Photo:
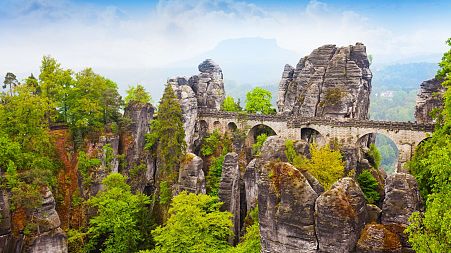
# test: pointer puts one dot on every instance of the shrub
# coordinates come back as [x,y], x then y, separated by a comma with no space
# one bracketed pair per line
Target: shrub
[369,186]
[256,148]
[375,156]
[214,175]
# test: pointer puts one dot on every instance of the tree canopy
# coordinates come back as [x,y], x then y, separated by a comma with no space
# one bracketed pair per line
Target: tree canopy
[195,224]
[116,226]
[229,105]
[258,100]
[137,93]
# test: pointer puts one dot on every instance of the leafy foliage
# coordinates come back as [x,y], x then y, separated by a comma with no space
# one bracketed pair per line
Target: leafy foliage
[431,167]
[214,175]
[229,105]
[211,143]
[369,186]
[431,232]
[290,152]
[325,164]
[250,242]
[137,93]
[116,227]
[195,225]
[167,135]
[259,101]
[257,146]
[85,165]
[375,156]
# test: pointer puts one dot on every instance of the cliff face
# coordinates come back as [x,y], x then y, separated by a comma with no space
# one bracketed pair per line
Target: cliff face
[331,82]
[204,90]
[430,97]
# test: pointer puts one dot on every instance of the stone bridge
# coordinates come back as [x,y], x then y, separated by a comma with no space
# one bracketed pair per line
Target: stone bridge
[349,132]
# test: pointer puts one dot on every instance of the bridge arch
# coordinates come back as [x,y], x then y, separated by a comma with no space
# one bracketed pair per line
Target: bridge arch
[387,147]
[257,130]
[232,127]
[217,126]
[312,135]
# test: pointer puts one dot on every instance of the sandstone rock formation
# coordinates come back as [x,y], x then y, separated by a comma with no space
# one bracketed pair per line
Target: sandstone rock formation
[376,238]
[204,90]
[430,97]
[402,198]
[330,82]
[286,209]
[229,191]
[50,237]
[250,185]
[132,146]
[340,215]
[189,105]
[191,175]
[208,85]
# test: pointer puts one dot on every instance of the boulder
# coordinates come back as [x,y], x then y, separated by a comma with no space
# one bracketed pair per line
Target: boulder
[376,238]
[191,175]
[332,82]
[340,215]
[229,191]
[402,198]
[286,203]
[429,97]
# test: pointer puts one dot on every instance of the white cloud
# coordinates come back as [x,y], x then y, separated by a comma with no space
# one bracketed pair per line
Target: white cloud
[108,37]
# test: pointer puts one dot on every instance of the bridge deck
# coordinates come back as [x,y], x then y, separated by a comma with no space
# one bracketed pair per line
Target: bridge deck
[296,121]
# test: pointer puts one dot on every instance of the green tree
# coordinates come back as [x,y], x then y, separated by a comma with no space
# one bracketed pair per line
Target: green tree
[257,146]
[11,80]
[259,101]
[369,186]
[325,164]
[375,156]
[116,227]
[431,166]
[92,103]
[229,105]
[55,84]
[195,225]
[137,93]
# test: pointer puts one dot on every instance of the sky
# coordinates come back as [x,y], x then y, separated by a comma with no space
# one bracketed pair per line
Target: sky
[122,37]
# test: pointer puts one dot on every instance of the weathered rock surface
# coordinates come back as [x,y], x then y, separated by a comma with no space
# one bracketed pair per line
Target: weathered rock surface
[139,163]
[331,82]
[106,150]
[191,175]
[376,238]
[203,90]
[250,185]
[429,97]
[340,215]
[402,198]
[50,237]
[286,209]
[46,216]
[229,191]
[209,85]
[5,220]
[54,241]
[374,213]
[189,104]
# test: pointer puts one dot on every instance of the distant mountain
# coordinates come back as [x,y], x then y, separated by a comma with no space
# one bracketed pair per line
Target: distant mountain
[403,76]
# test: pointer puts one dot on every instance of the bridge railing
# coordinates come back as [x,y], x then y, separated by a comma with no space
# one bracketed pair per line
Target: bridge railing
[297,121]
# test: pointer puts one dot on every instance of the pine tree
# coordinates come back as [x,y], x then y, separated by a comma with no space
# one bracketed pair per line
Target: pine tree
[166,141]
